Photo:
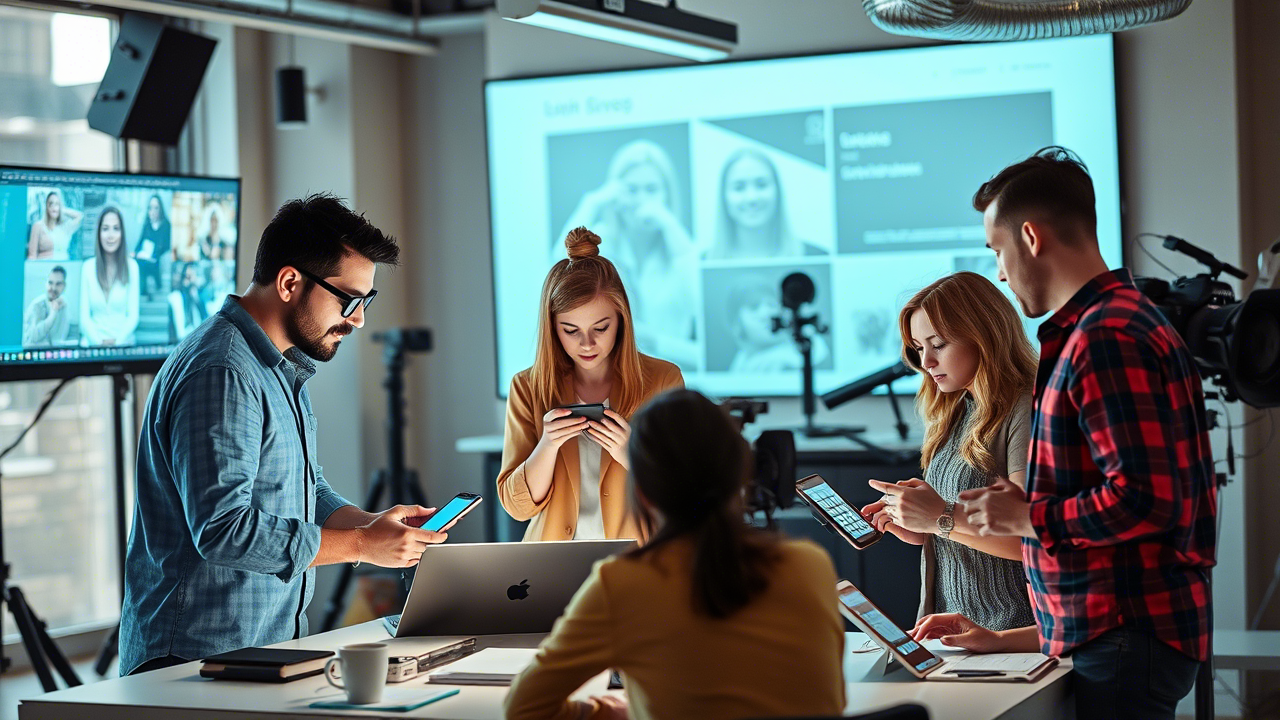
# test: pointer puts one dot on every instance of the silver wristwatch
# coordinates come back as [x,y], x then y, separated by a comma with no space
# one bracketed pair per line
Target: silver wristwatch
[947,521]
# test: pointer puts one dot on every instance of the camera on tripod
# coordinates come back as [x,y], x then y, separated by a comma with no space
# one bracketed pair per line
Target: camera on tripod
[405,339]
[1236,344]
[773,484]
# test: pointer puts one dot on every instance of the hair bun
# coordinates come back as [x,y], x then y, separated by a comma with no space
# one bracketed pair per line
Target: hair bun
[581,243]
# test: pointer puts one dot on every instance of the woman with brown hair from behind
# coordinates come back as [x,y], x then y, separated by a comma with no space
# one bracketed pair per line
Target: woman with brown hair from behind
[567,475]
[711,618]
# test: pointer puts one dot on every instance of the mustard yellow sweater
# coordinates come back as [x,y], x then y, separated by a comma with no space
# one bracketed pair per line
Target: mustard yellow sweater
[780,655]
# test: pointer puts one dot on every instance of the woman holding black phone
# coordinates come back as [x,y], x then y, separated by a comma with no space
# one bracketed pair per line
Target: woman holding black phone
[563,471]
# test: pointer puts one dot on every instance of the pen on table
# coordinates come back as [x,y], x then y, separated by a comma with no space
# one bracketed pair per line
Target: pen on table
[976,673]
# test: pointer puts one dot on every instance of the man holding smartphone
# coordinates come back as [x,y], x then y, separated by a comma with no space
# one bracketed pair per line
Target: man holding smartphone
[233,512]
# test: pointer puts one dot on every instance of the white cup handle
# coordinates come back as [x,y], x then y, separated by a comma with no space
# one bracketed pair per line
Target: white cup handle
[328,673]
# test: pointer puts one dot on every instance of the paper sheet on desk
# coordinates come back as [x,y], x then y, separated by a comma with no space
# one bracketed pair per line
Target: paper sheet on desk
[1011,663]
[491,666]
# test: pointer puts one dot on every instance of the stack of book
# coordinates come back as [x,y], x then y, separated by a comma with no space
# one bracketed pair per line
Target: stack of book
[265,664]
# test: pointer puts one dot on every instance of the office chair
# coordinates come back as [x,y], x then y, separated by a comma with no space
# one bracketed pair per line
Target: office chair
[901,712]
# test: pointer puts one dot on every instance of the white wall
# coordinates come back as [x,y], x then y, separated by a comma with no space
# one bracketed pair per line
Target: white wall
[452,293]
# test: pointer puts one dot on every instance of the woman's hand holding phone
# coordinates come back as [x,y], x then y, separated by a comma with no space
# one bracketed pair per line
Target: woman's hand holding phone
[558,427]
[612,434]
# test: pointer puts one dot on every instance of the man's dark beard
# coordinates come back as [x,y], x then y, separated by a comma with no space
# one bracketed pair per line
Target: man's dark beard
[306,335]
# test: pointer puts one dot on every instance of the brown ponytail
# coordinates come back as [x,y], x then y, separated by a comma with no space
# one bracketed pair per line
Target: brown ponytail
[690,463]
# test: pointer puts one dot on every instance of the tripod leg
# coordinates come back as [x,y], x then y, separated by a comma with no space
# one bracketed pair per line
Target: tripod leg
[54,653]
[416,496]
[333,608]
[107,652]
[23,618]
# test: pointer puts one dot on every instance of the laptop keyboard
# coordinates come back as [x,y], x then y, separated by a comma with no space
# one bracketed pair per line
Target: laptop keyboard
[391,623]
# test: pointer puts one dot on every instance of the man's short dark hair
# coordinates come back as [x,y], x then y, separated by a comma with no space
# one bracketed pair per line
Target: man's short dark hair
[59,269]
[1053,185]
[314,234]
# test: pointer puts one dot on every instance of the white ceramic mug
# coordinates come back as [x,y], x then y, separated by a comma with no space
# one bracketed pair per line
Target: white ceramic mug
[364,672]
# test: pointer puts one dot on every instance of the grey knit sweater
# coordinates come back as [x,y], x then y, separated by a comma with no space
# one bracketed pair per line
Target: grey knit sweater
[990,590]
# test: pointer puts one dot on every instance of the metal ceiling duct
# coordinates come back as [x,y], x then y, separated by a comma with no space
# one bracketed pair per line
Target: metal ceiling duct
[994,20]
[343,21]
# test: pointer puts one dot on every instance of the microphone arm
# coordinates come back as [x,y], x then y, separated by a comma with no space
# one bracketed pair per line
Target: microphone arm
[865,385]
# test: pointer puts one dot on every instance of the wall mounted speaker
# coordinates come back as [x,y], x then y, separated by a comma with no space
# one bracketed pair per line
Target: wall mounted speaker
[151,81]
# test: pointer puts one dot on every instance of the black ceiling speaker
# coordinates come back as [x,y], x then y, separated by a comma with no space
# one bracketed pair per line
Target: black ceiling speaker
[151,81]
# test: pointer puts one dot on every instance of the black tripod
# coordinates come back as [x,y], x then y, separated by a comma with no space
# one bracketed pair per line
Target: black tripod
[35,635]
[120,395]
[399,482]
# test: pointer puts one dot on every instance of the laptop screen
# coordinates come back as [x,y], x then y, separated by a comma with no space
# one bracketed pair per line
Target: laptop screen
[863,613]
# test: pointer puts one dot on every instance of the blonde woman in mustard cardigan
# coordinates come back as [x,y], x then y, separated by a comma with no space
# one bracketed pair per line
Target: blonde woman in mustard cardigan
[568,475]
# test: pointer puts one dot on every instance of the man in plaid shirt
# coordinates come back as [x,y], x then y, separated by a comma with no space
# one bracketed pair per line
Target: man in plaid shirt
[1118,518]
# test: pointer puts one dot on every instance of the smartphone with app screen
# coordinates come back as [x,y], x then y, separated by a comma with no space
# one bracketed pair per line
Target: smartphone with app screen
[590,411]
[836,512]
[460,505]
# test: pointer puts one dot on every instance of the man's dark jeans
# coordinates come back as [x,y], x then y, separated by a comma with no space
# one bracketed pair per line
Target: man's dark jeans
[1129,674]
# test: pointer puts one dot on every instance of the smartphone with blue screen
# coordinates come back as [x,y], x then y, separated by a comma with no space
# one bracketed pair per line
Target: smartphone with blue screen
[460,505]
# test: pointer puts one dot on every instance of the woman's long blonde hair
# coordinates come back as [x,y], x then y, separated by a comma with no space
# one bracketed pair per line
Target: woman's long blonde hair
[574,282]
[969,309]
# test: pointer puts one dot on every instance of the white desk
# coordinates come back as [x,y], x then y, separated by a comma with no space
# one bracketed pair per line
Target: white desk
[180,693]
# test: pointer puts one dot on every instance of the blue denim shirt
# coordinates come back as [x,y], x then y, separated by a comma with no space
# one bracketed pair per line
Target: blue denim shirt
[230,499]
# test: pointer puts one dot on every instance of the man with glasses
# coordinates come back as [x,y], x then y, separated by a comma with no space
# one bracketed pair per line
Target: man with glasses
[233,512]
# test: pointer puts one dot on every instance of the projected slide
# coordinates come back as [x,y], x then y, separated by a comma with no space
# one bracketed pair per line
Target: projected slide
[709,184]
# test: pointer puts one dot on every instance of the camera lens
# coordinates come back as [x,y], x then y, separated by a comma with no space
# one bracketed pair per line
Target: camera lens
[1262,356]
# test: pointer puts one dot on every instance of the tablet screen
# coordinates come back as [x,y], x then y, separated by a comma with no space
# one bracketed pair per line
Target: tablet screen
[839,511]
[863,613]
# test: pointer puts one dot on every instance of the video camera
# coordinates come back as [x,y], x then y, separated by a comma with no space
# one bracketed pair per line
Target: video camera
[1236,345]
[773,485]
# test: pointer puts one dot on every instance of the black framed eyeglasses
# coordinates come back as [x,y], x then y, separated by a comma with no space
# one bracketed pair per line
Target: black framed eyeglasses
[349,302]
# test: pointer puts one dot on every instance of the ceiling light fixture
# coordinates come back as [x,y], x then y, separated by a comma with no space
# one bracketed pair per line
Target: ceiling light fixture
[636,23]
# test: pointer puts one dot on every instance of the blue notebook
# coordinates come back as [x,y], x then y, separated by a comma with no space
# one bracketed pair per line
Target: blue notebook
[393,700]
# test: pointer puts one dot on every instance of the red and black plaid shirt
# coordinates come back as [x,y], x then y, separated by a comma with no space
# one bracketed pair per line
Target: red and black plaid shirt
[1121,479]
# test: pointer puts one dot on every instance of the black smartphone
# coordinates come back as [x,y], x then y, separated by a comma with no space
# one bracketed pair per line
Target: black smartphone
[460,505]
[590,411]
[839,514]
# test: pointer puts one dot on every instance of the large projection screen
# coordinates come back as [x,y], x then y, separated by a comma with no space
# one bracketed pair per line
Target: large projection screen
[711,183]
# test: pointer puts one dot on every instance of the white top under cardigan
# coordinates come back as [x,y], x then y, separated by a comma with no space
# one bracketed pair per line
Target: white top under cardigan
[590,520]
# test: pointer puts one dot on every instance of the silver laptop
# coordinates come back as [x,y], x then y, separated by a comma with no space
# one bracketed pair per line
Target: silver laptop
[498,588]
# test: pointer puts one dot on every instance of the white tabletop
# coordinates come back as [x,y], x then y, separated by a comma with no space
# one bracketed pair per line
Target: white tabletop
[180,693]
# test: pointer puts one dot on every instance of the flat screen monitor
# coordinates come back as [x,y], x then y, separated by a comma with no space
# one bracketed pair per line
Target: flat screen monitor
[711,183]
[108,272]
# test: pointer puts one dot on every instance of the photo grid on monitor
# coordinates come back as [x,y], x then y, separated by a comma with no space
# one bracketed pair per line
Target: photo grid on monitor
[109,271]
[709,184]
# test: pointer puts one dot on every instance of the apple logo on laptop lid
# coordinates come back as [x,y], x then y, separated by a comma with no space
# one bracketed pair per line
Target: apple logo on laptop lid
[518,592]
